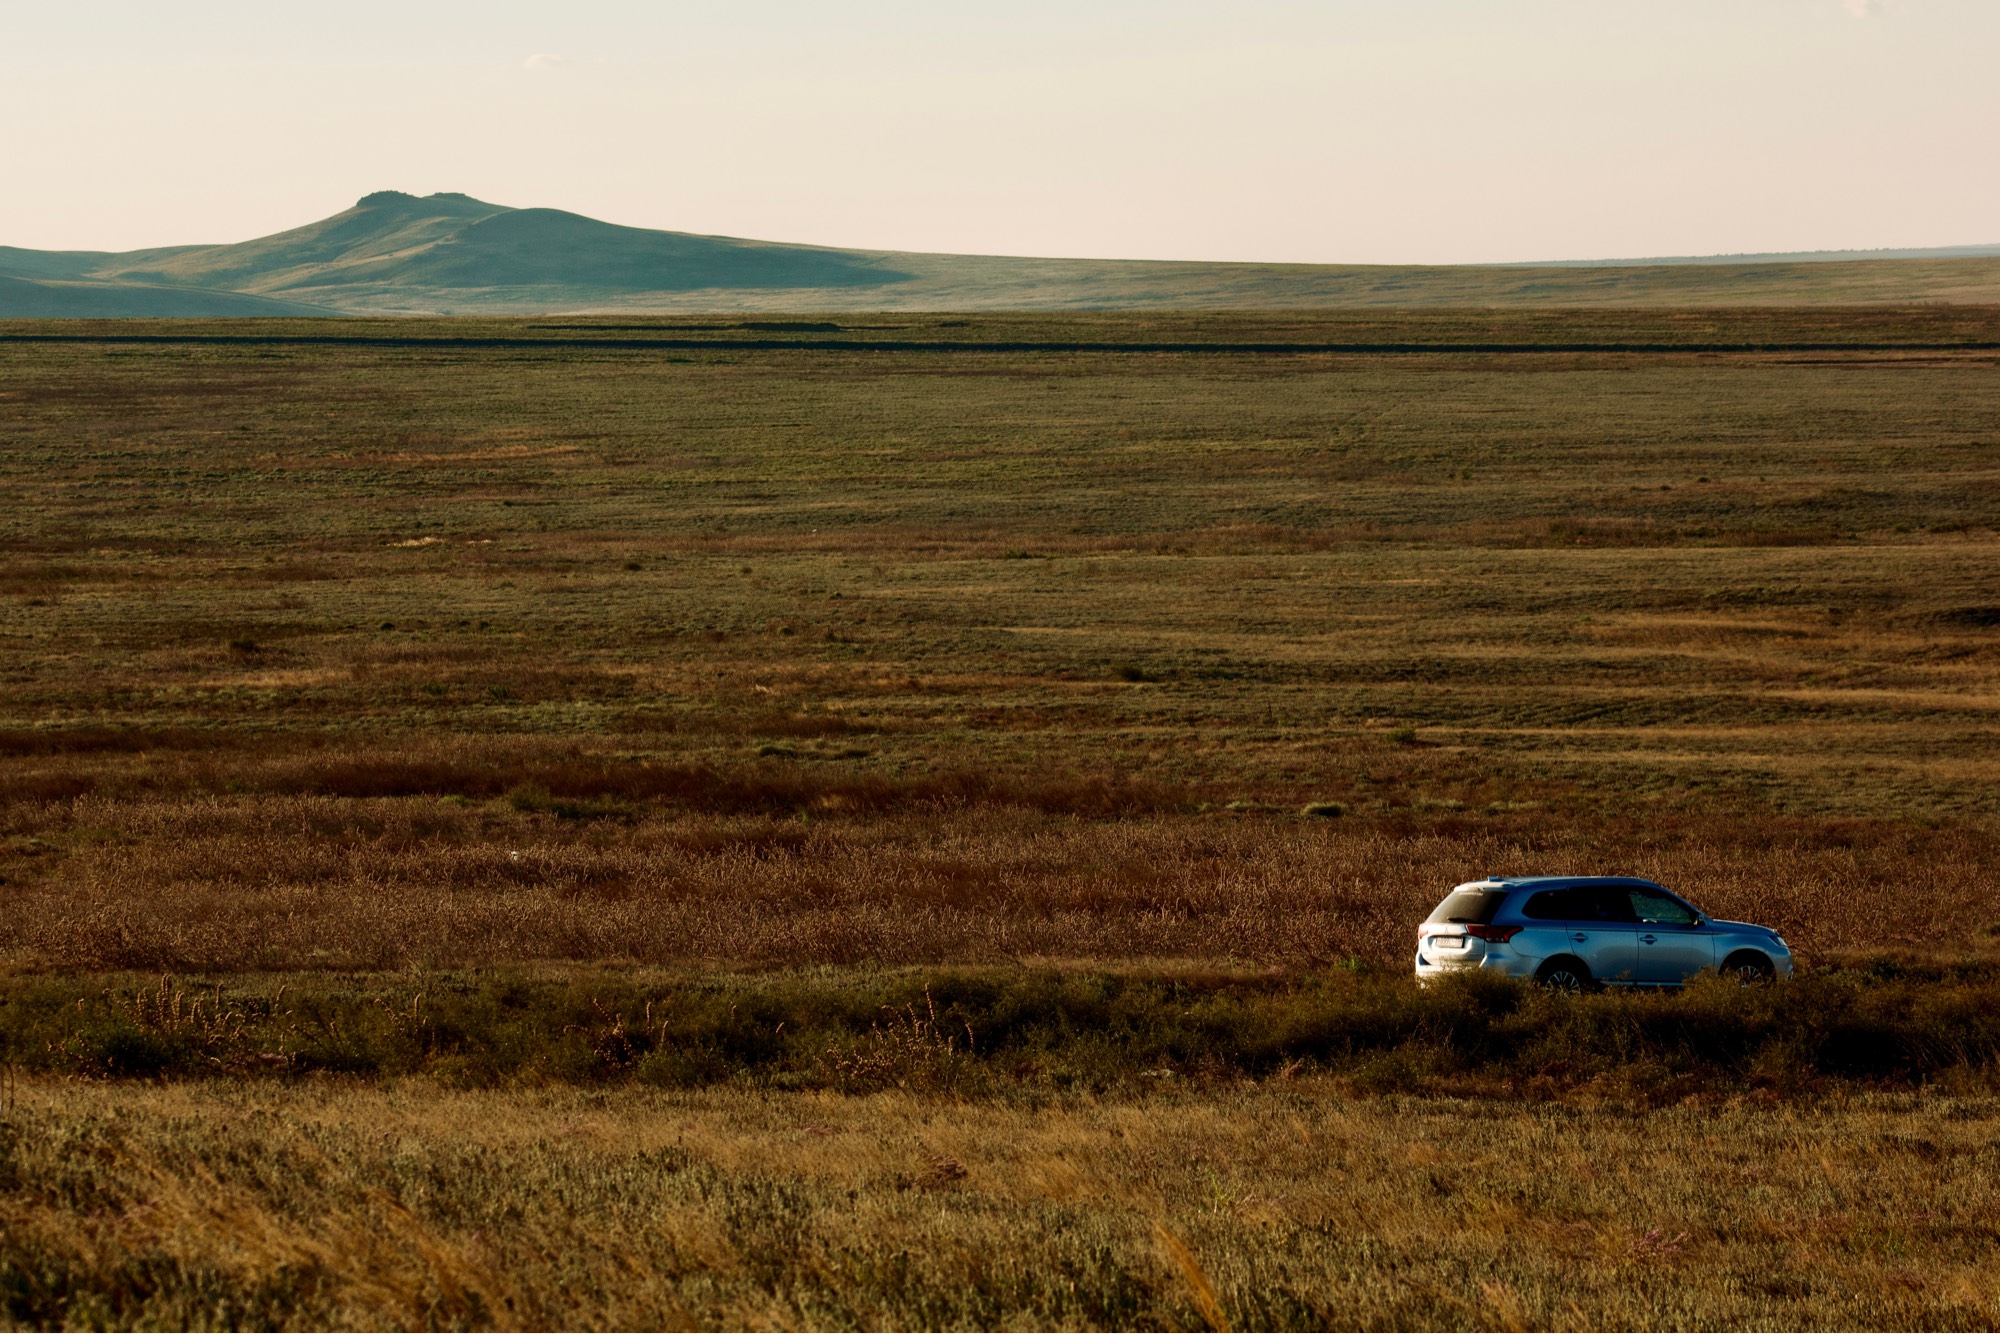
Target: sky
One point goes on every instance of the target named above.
(1342, 131)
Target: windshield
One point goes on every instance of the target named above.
(1469, 906)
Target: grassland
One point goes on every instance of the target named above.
(1279, 1206)
(708, 666)
(397, 255)
(377, 656)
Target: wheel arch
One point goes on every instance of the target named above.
(1554, 962)
(1751, 955)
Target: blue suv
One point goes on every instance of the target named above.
(1574, 932)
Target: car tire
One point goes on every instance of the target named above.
(1563, 973)
(1749, 969)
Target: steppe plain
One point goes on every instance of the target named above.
(920, 820)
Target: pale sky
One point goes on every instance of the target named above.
(1344, 131)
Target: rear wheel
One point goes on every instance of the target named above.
(1748, 968)
(1563, 974)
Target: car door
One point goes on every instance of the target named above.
(1672, 946)
(1546, 928)
(1604, 933)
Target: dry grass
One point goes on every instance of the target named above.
(330, 666)
(1281, 1206)
(322, 882)
(789, 656)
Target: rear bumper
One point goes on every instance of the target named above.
(1507, 964)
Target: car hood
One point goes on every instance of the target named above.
(1721, 925)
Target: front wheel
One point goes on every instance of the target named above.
(1563, 974)
(1747, 968)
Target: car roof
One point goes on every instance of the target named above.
(1561, 882)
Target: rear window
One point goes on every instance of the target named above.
(1470, 905)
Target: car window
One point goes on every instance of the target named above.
(1550, 904)
(1469, 905)
(1649, 906)
(1604, 905)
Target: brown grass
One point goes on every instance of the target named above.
(792, 656)
(766, 668)
(1284, 1206)
(290, 882)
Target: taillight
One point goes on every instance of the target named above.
(1499, 935)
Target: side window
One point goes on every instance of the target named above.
(1606, 905)
(1658, 908)
(1549, 905)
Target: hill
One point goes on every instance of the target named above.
(30, 298)
(397, 254)
(1781, 257)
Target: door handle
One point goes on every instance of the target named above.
(1579, 936)
(1648, 938)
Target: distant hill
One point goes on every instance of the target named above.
(1778, 257)
(394, 253)
(36, 299)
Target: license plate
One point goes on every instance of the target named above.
(1448, 942)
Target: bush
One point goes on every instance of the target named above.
(963, 1030)
(534, 799)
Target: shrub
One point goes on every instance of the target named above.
(535, 799)
(964, 1031)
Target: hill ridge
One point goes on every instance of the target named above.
(396, 253)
